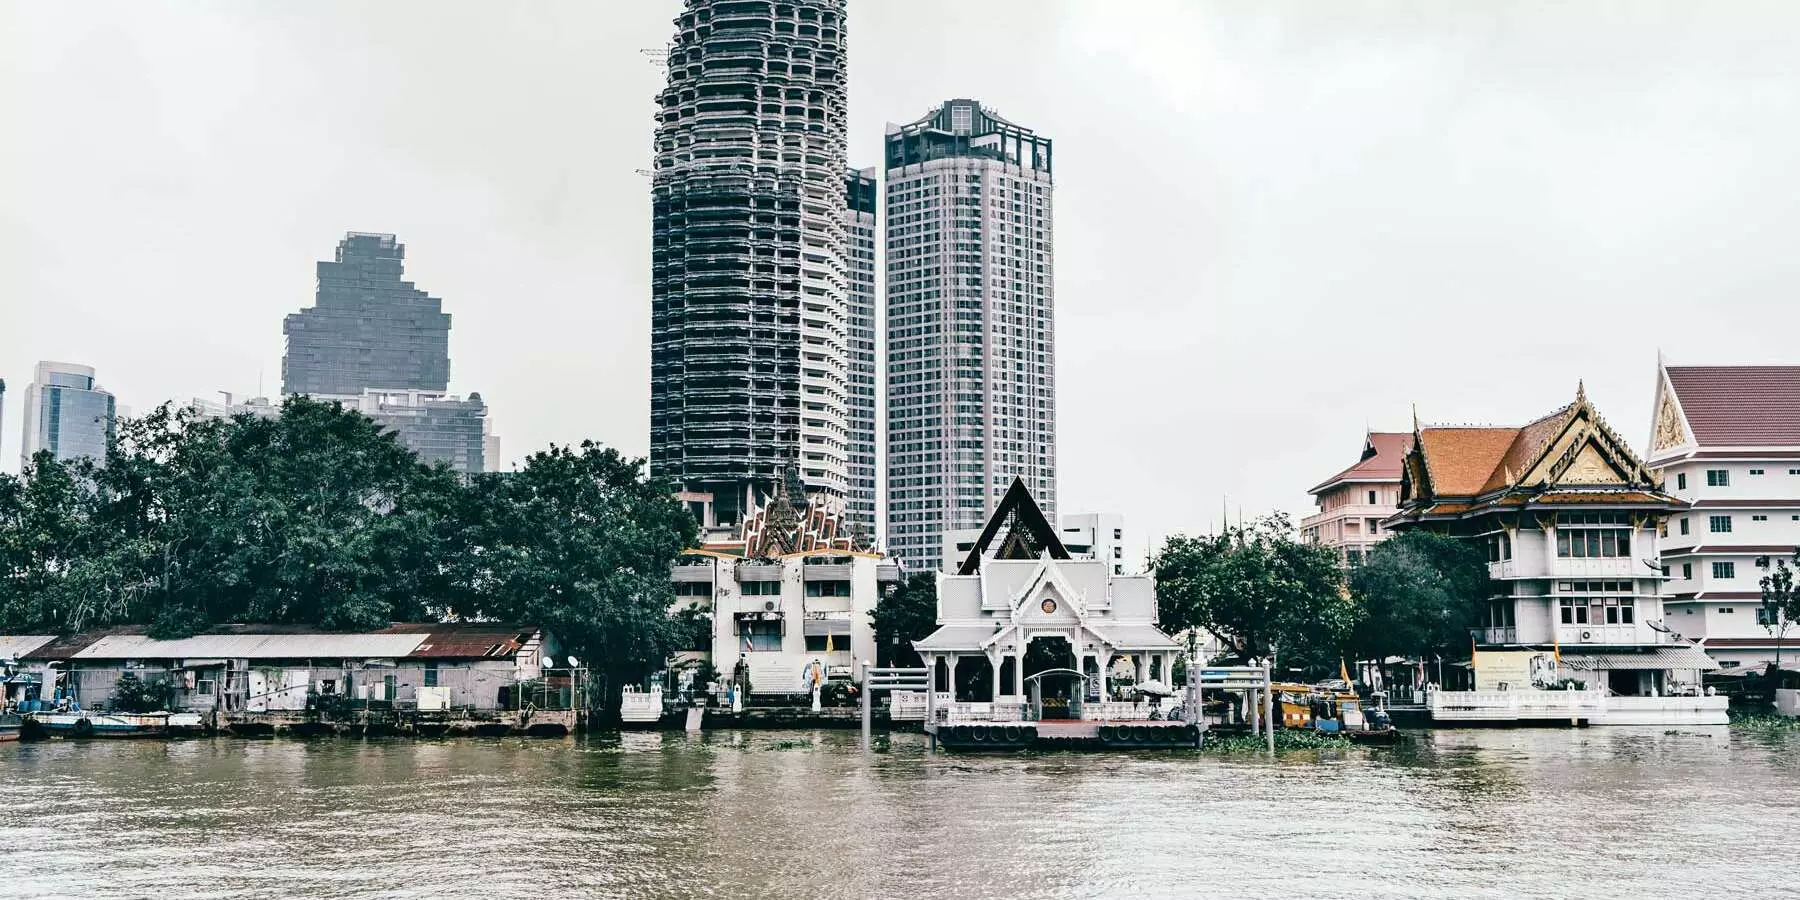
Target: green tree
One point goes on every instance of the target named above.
(579, 542)
(1420, 593)
(134, 694)
(1781, 601)
(906, 615)
(1256, 588)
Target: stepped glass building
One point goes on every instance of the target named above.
(368, 328)
(971, 352)
(749, 321)
(67, 413)
(374, 342)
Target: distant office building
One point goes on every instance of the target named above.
(376, 343)
(369, 328)
(232, 406)
(66, 413)
(971, 353)
(860, 194)
(748, 325)
(1726, 439)
(2, 406)
(438, 427)
(1353, 503)
(491, 460)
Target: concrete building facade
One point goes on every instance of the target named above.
(749, 321)
(1726, 439)
(971, 353)
(1353, 503)
(67, 413)
(861, 210)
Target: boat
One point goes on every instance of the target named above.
(11, 726)
(1333, 708)
(82, 723)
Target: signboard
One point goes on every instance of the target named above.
(1513, 670)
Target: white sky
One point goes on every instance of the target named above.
(1277, 223)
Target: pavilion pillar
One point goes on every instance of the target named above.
(1141, 662)
(994, 661)
(951, 676)
(1105, 663)
(1019, 673)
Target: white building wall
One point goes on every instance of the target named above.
(1715, 576)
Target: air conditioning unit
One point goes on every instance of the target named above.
(1587, 635)
(768, 606)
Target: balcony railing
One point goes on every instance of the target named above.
(1507, 634)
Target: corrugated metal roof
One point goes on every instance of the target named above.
(473, 641)
(1134, 637)
(13, 646)
(254, 646)
(1659, 658)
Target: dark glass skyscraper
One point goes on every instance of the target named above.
(369, 328)
(748, 341)
(376, 343)
(67, 413)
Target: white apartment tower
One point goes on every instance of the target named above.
(971, 353)
(748, 333)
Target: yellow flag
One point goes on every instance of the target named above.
(827, 642)
(1344, 671)
(1556, 648)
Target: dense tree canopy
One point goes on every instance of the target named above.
(1420, 593)
(906, 615)
(1256, 588)
(318, 517)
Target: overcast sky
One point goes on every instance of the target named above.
(1277, 224)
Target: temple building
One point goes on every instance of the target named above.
(1019, 607)
(793, 583)
(1353, 503)
(1726, 439)
(1570, 518)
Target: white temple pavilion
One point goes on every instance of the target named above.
(1028, 589)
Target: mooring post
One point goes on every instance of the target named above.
(930, 720)
(1269, 707)
(868, 708)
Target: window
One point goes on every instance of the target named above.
(1118, 534)
(1597, 610)
(828, 589)
(1726, 610)
(1719, 524)
(1729, 663)
(815, 643)
(1756, 471)
(1371, 498)
(762, 588)
(1665, 571)
(1724, 570)
(1718, 477)
(1763, 617)
(1687, 571)
(1681, 481)
(1592, 543)
(205, 687)
(758, 635)
(1684, 526)
(695, 589)
(431, 674)
(1499, 547)
(1759, 518)
(1794, 471)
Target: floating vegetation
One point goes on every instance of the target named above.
(789, 745)
(1285, 739)
(1763, 722)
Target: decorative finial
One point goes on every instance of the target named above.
(1415, 408)
(1581, 390)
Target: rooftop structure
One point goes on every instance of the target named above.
(749, 329)
(1726, 439)
(1353, 503)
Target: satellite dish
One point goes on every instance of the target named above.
(573, 662)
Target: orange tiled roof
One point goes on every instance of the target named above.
(1385, 457)
(1525, 448)
(1601, 497)
(1459, 460)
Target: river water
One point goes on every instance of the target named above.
(1542, 814)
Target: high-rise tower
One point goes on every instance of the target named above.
(67, 413)
(860, 194)
(971, 351)
(748, 341)
(374, 342)
(369, 328)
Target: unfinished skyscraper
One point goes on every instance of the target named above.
(749, 333)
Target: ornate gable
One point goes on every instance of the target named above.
(1584, 451)
(1669, 430)
(1018, 524)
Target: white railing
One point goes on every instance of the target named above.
(1515, 706)
(906, 706)
(1665, 711)
(1115, 711)
(984, 712)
